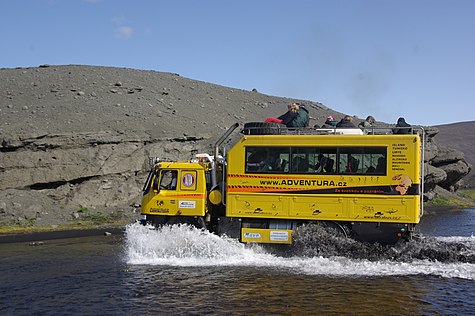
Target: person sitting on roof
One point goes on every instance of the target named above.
(287, 117)
(367, 123)
(296, 116)
(402, 127)
(330, 122)
(346, 122)
(302, 118)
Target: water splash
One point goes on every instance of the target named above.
(182, 245)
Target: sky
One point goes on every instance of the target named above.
(409, 58)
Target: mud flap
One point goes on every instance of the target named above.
(228, 226)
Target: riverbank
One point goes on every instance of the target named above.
(85, 222)
(464, 198)
(36, 238)
(37, 234)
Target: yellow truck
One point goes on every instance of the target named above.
(367, 184)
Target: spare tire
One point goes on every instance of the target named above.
(263, 128)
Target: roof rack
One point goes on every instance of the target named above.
(268, 128)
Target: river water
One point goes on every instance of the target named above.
(183, 271)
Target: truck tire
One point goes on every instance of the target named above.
(263, 128)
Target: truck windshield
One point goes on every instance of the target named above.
(168, 179)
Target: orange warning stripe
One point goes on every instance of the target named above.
(191, 196)
(239, 188)
(280, 176)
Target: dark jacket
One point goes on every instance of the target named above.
(302, 118)
(345, 124)
(329, 124)
(288, 117)
(295, 119)
(402, 127)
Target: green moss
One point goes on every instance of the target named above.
(83, 209)
(440, 201)
(468, 194)
(95, 218)
(451, 202)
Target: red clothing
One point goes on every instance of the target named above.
(273, 120)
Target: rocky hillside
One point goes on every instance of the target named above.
(75, 140)
(458, 136)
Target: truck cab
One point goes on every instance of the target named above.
(176, 189)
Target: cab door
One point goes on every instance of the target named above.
(191, 197)
(164, 186)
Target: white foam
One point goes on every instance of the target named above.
(187, 246)
(470, 240)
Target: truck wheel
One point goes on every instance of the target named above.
(263, 128)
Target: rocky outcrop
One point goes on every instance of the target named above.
(102, 171)
(444, 166)
(454, 135)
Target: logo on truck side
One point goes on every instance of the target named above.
(252, 235)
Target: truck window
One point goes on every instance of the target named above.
(362, 160)
(168, 179)
(313, 159)
(267, 160)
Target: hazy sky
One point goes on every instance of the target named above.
(411, 58)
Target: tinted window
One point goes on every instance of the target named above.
(267, 160)
(311, 160)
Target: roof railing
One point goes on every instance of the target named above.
(280, 129)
